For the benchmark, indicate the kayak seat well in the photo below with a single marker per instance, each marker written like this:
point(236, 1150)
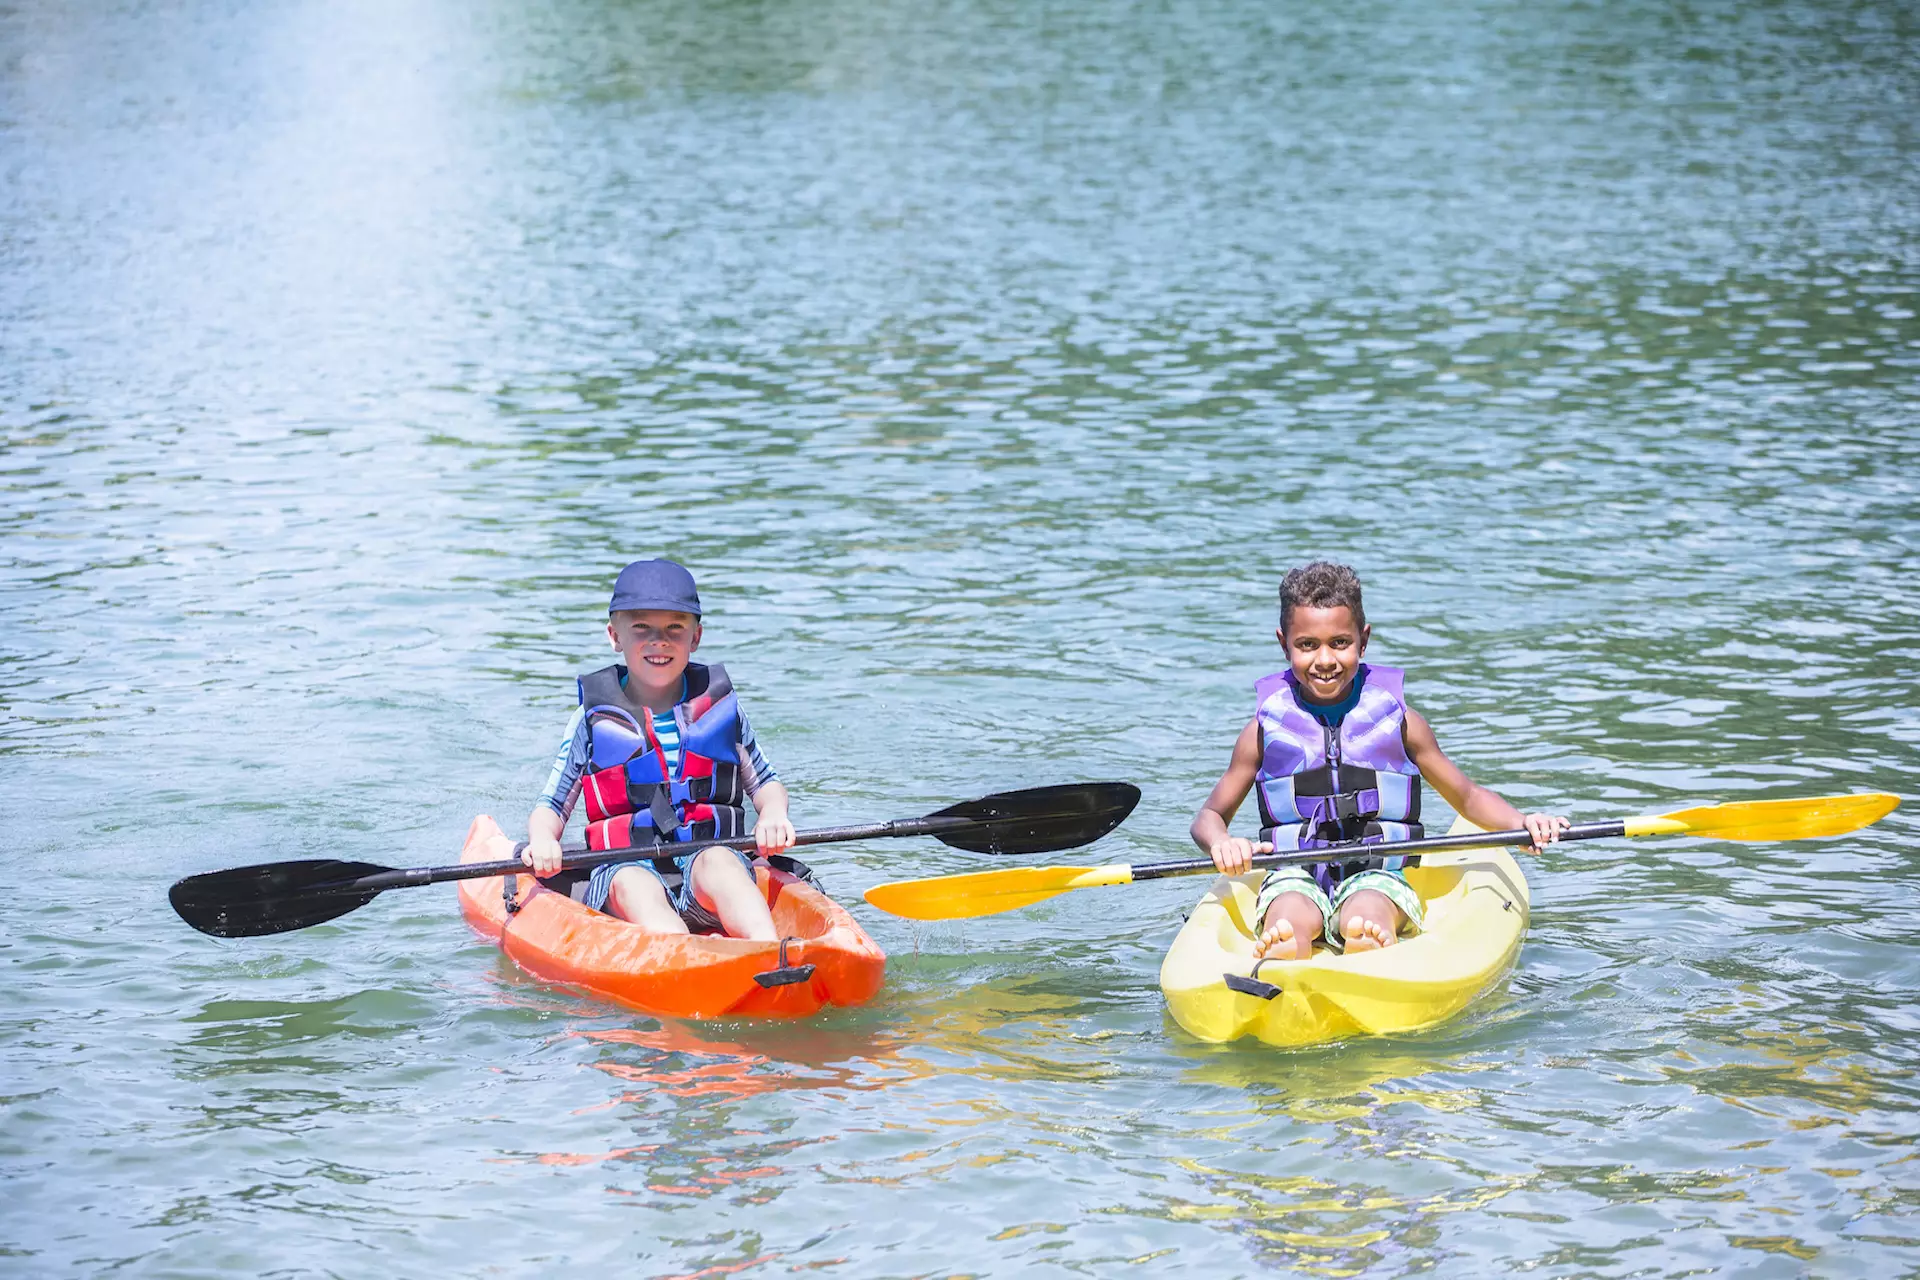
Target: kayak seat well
point(1432, 882)
point(573, 882)
point(1237, 930)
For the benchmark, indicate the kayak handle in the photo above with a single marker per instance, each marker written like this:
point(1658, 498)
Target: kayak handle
point(787, 974)
point(1250, 986)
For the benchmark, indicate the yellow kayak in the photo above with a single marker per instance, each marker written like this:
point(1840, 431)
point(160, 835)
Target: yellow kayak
point(1476, 915)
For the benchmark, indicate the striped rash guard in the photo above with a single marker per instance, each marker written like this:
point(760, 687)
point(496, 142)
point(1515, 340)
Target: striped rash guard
point(570, 762)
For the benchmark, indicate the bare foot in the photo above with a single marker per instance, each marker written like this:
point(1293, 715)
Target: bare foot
point(1279, 943)
point(1363, 934)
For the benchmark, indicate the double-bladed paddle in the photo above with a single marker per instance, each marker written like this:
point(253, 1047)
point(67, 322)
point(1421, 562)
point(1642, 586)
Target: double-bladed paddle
point(277, 897)
point(986, 893)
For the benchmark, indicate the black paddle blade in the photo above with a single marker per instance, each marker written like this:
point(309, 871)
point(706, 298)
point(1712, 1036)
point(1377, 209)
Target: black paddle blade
point(1041, 819)
point(276, 897)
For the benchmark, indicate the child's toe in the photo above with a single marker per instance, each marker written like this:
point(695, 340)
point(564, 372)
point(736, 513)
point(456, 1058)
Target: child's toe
point(1366, 935)
point(1276, 943)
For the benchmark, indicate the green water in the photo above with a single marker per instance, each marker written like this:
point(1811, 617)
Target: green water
point(988, 362)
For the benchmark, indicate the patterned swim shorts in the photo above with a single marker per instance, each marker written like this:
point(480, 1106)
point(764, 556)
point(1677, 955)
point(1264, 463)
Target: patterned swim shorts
point(1301, 880)
point(601, 883)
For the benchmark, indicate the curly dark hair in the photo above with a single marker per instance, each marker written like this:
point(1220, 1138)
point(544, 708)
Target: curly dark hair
point(1321, 585)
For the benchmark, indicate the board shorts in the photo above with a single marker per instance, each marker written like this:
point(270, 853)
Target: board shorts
point(698, 918)
point(1305, 882)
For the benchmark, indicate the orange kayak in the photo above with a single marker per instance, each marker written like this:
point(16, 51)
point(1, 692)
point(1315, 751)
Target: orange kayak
point(828, 958)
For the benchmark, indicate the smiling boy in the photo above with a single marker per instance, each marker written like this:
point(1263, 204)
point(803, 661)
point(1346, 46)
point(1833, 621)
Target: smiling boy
point(662, 751)
point(1336, 756)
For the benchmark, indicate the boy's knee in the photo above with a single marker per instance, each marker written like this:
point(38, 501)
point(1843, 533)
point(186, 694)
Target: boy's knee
point(1296, 908)
point(632, 881)
point(1373, 905)
point(717, 860)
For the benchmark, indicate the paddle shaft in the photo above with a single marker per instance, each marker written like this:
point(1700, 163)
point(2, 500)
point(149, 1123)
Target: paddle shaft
point(986, 893)
point(1411, 850)
point(574, 857)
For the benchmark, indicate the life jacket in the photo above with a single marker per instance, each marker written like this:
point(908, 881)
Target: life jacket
point(1320, 786)
point(632, 797)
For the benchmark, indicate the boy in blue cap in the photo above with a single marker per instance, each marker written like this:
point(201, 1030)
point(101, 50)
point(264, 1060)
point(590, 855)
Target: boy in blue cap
point(662, 751)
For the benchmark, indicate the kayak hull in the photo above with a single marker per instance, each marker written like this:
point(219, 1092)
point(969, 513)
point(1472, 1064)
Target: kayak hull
point(1476, 903)
point(558, 940)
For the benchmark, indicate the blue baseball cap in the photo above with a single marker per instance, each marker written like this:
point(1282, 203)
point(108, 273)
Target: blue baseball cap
point(655, 584)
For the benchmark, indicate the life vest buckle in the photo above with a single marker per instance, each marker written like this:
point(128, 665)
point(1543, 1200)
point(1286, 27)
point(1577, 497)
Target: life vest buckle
point(666, 817)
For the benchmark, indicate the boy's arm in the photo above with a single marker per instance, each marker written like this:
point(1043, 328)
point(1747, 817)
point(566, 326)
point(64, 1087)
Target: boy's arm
point(549, 816)
point(1232, 854)
point(1482, 807)
point(772, 828)
point(543, 840)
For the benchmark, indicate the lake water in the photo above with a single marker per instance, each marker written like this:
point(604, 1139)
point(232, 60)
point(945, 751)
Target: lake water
point(988, 362)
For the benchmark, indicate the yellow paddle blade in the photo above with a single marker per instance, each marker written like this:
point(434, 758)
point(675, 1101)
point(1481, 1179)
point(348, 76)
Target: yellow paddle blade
point(988, 893)
point(1772, 819)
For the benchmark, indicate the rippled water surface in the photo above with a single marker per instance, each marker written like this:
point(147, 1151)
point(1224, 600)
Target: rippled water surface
point(988, 361)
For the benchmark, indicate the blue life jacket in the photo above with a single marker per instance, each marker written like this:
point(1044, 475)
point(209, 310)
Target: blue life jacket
point(633, 796)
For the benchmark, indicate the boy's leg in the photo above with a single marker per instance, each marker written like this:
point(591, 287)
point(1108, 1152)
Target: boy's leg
point(638, 896)
point(1369, 920)
point(1288, 929)
point(1289, 912)
point(725, 885)
point(1373, 907)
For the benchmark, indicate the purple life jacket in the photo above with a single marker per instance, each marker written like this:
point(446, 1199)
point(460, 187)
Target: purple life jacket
point(1319, 786)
